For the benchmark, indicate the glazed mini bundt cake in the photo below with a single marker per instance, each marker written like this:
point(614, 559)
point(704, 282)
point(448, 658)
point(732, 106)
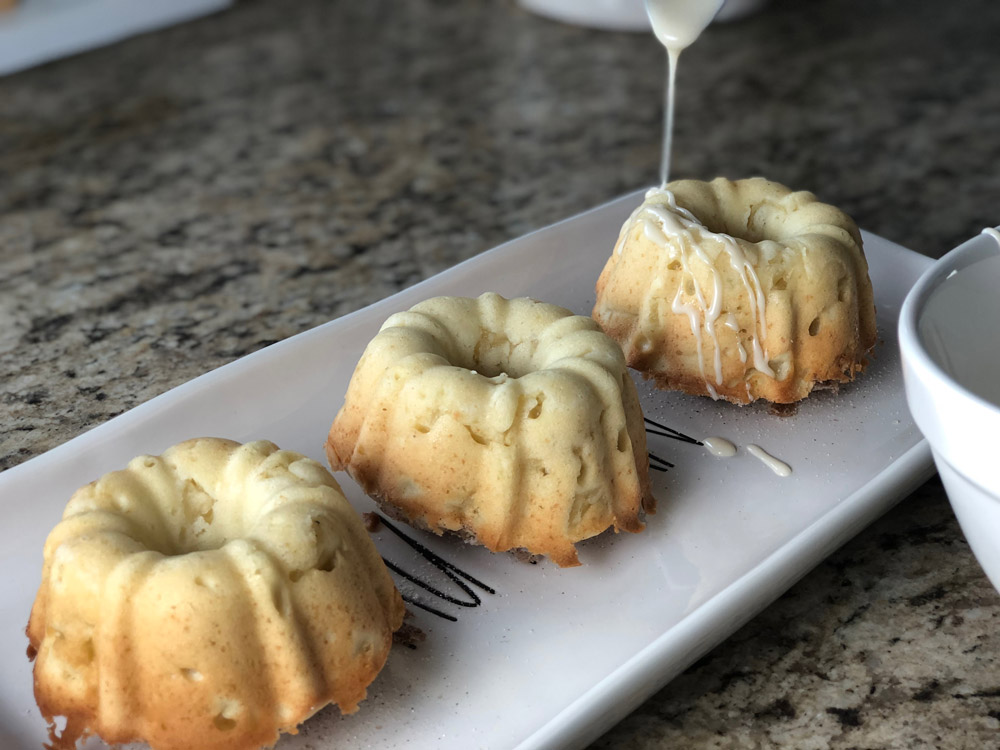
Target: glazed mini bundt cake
point(210, 597)
point(512, 422)
point(739, 290)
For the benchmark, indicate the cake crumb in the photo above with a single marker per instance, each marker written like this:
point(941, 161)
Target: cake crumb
point(373, 522)
point(783, 410)
point(409, 635)
point(522, 555)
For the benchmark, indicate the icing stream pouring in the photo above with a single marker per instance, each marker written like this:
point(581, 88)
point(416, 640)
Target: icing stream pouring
point(677, 23)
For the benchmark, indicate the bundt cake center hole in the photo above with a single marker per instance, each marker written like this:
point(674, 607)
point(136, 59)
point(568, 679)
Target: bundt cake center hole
point(740, 224)
point(192, 525)
point(737, 225)
point(495, 355)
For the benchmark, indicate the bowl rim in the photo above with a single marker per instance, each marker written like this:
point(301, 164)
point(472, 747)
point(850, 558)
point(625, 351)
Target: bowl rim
point(960, 425)
point(912, 347)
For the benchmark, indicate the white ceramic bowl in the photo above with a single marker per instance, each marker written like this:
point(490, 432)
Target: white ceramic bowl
point(622, 15)
point(949, 336)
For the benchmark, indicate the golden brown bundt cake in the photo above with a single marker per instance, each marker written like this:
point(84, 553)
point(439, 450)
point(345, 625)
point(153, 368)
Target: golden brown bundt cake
point(210, 597)
point(739, 290)
point(513, 422)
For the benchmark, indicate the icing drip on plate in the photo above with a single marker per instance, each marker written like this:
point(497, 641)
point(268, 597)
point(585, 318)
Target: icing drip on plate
point(720, 447)
point(776, 465)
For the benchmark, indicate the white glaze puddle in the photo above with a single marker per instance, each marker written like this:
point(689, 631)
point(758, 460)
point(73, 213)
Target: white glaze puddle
point(776, 465)
point(720, 447)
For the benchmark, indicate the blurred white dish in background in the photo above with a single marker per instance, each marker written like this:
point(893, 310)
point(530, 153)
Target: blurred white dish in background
point(614, 15)
point(623, 15)
point(37, 31)
point(949, 337)
point(733, 10)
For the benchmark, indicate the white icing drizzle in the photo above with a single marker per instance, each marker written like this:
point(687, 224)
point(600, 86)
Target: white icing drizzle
point(776, 465)
point(673, 57)
point(677, 24)
point(720, 447)
point(991, 232)
point(683, 237)
point(734, 326)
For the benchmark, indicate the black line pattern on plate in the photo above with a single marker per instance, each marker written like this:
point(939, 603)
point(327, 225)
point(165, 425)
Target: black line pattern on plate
point(670, 432)
point(659, 464)
point(452, 571)
point(656, 463)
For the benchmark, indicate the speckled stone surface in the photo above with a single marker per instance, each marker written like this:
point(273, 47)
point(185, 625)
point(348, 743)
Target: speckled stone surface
point(181, 199)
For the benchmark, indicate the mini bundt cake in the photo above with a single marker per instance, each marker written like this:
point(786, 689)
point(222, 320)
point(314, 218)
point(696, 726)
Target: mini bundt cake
point(512, 422)
point(739, 290)
point(210, 597)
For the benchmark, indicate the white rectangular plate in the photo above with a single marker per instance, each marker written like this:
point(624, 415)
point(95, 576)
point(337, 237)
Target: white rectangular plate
point(556, 656)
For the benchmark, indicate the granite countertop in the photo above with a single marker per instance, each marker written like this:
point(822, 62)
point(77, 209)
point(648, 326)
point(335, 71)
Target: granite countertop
point(181, 199)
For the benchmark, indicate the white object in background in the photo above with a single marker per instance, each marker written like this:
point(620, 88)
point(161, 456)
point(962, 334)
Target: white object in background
point(615, 15)
point(949, 337)
point(622, 15)
point(37, 31)
point(734, 10)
